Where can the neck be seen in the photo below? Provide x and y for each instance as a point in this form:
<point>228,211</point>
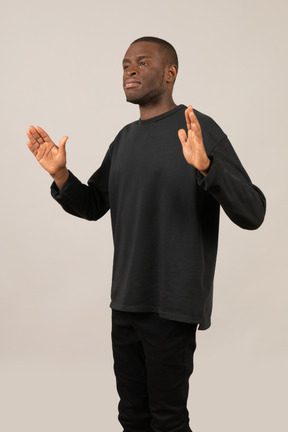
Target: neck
<point>154,109</point>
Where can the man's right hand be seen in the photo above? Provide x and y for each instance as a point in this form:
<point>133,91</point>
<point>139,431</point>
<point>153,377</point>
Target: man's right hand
<point>50,157</point>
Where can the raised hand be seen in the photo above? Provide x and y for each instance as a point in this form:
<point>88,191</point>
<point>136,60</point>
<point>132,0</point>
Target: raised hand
<point>193,147</point>
<point>50,157</point>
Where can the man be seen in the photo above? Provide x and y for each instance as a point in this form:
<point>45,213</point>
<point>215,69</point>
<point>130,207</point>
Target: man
<point>163,178</point>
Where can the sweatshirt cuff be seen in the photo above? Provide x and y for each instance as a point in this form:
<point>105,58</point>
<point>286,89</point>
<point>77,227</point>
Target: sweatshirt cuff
<point>215,172</point>
<point>56,193</point>
<point>204,181</point>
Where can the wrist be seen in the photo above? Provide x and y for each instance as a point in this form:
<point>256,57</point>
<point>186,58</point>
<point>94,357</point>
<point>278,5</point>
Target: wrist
<point>62,172</point>
<point>60,177</point>
<point>207,168</point>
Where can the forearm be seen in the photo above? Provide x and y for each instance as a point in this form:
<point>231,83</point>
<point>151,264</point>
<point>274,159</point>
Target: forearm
<point>80,199</point>
<point>228,182</point>
<point>243,202</point>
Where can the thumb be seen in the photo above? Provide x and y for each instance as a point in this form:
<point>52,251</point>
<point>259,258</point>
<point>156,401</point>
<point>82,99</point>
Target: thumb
<point>62,145</point>
<point>182,136</point>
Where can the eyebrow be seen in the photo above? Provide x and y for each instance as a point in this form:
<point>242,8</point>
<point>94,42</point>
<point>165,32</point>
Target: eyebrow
<point>137,58</point>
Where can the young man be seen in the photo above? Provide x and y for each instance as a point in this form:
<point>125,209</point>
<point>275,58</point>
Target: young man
<point>164,178</point>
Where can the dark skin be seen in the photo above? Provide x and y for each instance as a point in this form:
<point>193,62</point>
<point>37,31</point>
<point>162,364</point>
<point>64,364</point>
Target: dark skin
<point>144,63</point>
<point>147,81</point>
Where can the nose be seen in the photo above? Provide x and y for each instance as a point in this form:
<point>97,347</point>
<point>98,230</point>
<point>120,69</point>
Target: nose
<point>132,70</point>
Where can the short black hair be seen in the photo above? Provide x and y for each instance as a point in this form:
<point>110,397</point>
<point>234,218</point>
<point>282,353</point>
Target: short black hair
<point>169,54</point>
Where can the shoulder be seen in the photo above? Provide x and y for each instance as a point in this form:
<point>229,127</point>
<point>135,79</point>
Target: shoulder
<point>211,131</point>
<point>208,124</point>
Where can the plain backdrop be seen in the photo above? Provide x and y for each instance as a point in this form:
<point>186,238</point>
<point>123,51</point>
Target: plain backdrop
<point>61,70</point>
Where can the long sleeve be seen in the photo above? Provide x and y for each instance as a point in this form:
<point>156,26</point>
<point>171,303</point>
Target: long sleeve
<point>228,182</point>
<point>88,201</point>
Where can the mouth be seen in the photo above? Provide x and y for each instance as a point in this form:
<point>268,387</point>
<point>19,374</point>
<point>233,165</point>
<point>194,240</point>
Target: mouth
<point>131,84</point>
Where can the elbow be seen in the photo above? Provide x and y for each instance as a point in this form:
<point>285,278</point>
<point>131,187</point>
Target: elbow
<point>259,214</point>
<point>251,216</point>
<point>255,223</point>
<point>254,218</point>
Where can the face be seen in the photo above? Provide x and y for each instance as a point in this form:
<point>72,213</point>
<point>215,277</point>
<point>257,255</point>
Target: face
<point>143,73</point>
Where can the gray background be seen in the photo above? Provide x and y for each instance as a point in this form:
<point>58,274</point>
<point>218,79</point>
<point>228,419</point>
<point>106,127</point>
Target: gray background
<point>61,70</point>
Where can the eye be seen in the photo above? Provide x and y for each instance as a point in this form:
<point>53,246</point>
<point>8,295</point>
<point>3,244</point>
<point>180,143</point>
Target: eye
<point>143,63</point>
<point>125,67</point>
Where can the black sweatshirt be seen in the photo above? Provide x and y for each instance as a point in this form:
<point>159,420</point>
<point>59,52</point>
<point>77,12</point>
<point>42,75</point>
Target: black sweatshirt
<point>165,214</point>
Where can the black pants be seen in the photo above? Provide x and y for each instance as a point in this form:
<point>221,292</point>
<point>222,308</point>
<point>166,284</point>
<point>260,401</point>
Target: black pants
<point>153,360</point>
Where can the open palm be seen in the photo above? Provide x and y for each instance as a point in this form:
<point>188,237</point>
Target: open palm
<point>50,157</point>
<point>192,145</point>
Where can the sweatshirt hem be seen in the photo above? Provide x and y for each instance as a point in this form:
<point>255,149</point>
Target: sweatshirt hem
<point>166,315</point>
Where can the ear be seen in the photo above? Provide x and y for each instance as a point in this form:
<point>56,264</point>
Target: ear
<point>171,73</point>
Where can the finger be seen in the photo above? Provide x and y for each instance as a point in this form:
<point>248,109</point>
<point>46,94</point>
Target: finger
<point>43,134</point>
<point>182,136</point>
<point>191,137</point>
<point>193,117</point>
<point>36,134</point>
<point>32,139</point>
<point>195,126</point>
<point>32,148</point>
<point>39,134</point>
<point>188,120</point>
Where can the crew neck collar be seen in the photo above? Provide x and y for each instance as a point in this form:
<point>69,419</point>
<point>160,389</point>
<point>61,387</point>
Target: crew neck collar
<point>161,116</point>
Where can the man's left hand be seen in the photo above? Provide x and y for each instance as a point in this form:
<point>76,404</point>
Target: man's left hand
<point>193,147</point>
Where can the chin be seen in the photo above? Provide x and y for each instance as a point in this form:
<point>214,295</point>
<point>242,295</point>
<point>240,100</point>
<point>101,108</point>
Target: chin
<point>134,101</point>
